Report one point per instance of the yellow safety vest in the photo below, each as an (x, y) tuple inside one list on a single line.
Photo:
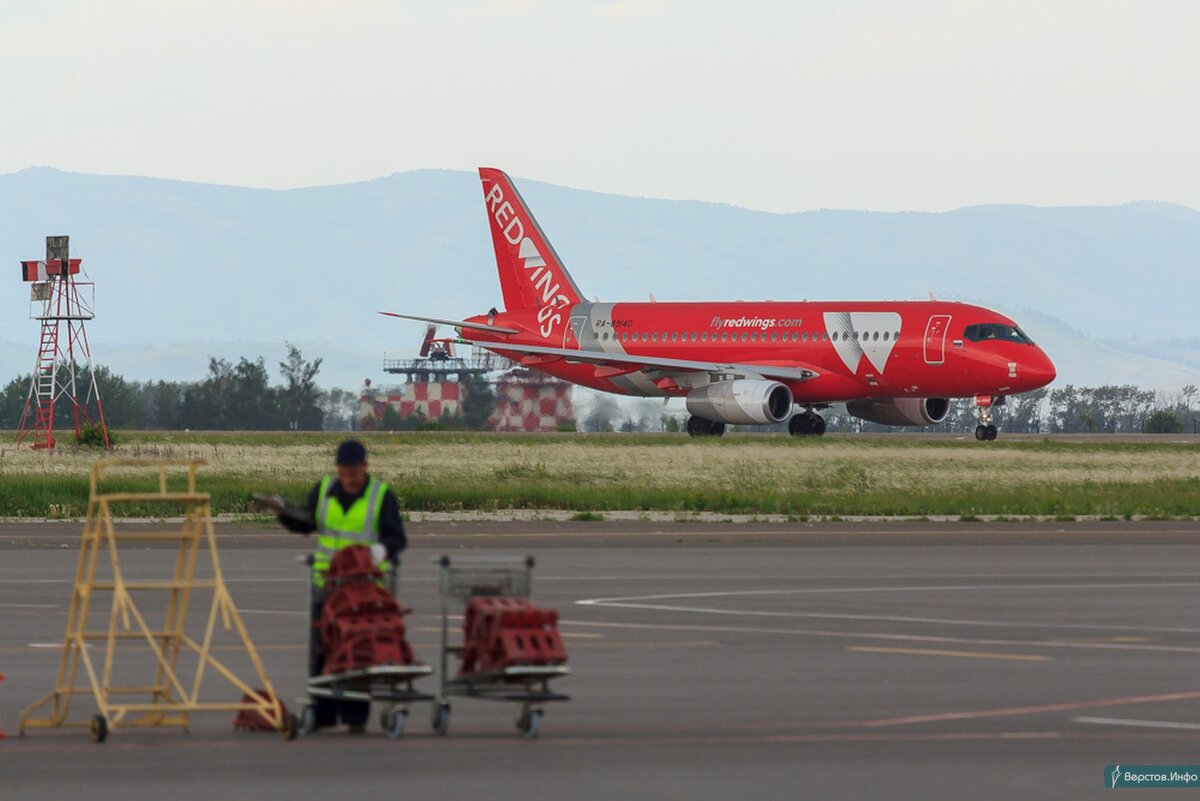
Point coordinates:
[(338, 527)]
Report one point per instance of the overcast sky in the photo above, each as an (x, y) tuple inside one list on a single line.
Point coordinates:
[(783, 106)]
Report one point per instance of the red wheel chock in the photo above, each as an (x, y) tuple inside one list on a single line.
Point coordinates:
[(254, 717)]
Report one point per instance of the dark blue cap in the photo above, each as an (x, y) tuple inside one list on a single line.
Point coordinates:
[(351, 453)]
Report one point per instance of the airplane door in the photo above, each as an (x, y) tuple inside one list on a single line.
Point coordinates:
[(575, 329), (935, 338)]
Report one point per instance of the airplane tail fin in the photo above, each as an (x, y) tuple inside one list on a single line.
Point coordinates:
[(531, 274)]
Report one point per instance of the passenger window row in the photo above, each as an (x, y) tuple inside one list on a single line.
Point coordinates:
[(744, 336)]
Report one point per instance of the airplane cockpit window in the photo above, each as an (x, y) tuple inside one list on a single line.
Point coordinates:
[(981, 332)]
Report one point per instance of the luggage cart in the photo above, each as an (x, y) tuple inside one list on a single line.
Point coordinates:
[(461, 578), (391, 685)]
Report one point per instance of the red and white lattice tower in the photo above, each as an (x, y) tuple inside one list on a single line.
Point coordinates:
[(56, 298)]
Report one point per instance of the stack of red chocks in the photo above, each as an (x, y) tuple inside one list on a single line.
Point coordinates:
[(501, 632), (361, 624)]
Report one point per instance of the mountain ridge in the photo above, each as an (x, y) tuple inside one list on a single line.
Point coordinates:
[(182, 263)]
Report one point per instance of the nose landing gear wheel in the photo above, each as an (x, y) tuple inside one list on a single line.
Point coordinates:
[(986, 433)]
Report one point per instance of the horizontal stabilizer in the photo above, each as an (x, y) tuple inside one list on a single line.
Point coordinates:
[(495, 329)]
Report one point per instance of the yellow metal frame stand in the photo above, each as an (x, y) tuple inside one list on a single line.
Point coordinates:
[(169, 700)]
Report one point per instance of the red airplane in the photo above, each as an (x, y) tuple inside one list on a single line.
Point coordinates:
[(747, 363)]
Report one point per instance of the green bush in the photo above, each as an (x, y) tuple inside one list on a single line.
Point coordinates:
[(1163, 422), (92, 436)]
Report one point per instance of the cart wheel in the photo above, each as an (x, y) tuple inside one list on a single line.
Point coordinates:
[(530, 722), (99, 729), (291, 727), (392, 719), (441, 718), (534, 727), (308, 720)]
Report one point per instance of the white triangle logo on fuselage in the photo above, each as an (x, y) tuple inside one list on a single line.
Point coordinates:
[(859, 334)]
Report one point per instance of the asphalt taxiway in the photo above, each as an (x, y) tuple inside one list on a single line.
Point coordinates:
[(872, 660)]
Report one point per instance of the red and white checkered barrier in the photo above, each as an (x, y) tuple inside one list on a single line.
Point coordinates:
[(525, 403), (430, 399)]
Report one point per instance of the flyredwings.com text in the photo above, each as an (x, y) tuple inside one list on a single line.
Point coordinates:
[(755, 322)]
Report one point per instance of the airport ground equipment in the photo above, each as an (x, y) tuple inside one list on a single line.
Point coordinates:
[(367, 655), (62, 304), (141, 663), (249, 719), (510, 649)]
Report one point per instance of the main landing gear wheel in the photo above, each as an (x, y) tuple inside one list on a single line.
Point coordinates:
[(985, 433), (699, 427), (806, 424)]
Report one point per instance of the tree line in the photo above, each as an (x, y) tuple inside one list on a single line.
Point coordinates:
[(1109, 409), (240, 397), (231, 397)]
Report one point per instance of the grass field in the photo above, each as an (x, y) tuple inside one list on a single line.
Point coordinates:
[(836, 475)]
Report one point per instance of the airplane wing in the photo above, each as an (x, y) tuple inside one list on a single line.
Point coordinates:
[(622, 362), (495, 329)]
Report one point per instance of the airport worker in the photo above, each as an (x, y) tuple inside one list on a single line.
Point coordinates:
[(351, 507)]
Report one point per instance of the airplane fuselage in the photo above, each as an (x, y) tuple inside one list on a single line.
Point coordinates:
[(860, 349)]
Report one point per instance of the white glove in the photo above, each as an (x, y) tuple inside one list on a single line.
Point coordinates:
[(378, 553)]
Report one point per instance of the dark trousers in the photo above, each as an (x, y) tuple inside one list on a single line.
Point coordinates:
[(328, 710)]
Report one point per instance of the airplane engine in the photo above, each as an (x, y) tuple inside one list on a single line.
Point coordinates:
[(901, 411), (742, 401)]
